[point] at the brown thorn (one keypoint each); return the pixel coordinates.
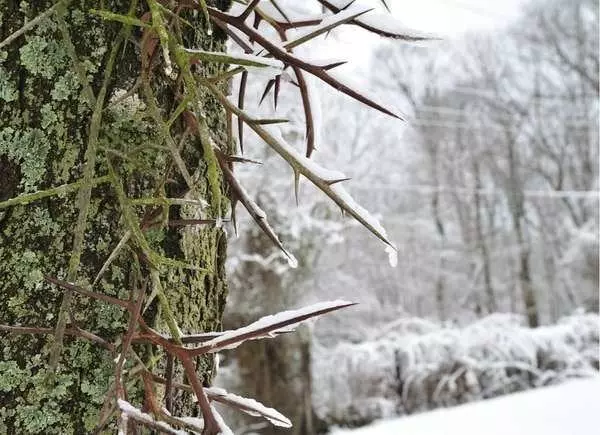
(134, 313)
(276, 92)
(187, 222)
(240, 159)
(297, 24)
(270, 84)
(248, 10)
(73, 331)
(241, 96)
(169, 383)
(288, 58)
(234, 37)
(281, 11)
(91, 294)
(372, 29)
(308, 117)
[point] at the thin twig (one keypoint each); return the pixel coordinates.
(31, 24)
(134, 313)
(72, 331)
(55, 191)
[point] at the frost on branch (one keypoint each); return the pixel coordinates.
(269, 326)
(249, 406)
(381, 24)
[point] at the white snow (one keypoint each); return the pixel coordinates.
(364, 214)
(414, 365)
(224, 429)
(131, 411)
(267, 321)
(392, 255)
(295, 11)
(328, 22)
(249, 406)
(292, 261)
(193, 421)
(386, 23)
(319, 171)
(567, 409)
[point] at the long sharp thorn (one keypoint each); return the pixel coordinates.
(234, 202)
(348, 5)
(115, 252)
(276, 93)
(240, 122)
(255, 24)
(378, 31)
(253, 209)
(234, 37)
(334, 65)
(265, 326)
(296, 185)
(230, 146)
(248, 10)
(308, 118)
(289, 58)
(270, 84)
(240, 159)
(281, 11)
(88, 293)
(330, 182)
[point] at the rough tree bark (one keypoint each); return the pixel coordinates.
(45, 129)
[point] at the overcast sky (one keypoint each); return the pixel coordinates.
(448, 18)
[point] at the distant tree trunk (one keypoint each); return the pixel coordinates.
(45, 127)
(433, 149)
(439, 282)
(276, 372)
(517, 209)
(482, 245)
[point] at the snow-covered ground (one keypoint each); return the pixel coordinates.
(572, 408)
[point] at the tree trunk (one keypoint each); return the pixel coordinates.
(517, 207)
(482, 244)
(275, 372)
(46, 126)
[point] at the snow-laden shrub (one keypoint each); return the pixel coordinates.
(414, 368)
(354, 383)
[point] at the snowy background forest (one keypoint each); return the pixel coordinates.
(489, 190)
